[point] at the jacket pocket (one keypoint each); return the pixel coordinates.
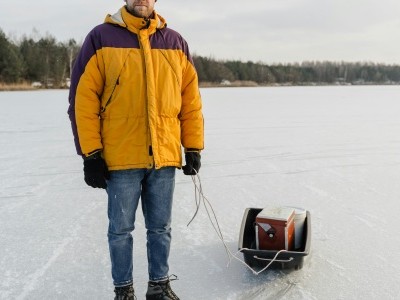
(115, 68)
(107, 96)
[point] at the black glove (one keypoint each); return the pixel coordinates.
(193, 163)
(96, 171)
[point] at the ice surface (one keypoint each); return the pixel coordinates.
(332, 150)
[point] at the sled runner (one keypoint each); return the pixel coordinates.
(257, 258)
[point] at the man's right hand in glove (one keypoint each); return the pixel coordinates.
(95, 170)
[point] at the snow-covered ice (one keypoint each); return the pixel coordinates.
(332, 150)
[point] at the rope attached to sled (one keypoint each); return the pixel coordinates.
(200, 198)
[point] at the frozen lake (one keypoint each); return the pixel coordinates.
(334, 151)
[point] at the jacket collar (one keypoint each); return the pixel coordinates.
(124, 19)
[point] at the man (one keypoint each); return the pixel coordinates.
(134, 102)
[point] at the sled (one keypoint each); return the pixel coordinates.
(291, 259)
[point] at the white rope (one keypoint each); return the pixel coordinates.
(200, 198)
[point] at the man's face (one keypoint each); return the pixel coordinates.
(140, 8)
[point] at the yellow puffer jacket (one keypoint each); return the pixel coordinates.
(134, 94)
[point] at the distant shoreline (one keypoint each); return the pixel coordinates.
(15, 87)
(28, 87)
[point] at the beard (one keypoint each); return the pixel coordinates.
(139, 11)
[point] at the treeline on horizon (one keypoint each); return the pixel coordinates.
(48, 61)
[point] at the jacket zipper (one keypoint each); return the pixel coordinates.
(151, 153)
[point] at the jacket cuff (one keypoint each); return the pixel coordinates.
(192, 150)
(92, 155)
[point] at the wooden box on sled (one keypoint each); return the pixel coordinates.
(258, 258)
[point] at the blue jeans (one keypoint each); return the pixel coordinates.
(155, 188)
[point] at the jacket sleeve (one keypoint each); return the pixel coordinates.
(191, 116)
(87, 82)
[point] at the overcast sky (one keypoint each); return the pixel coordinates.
(269, 31)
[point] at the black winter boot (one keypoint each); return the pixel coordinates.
(125, 293)
(160, 290)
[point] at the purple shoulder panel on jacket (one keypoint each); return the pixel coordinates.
(167, 38)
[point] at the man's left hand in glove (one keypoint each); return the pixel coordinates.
(193, 163)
